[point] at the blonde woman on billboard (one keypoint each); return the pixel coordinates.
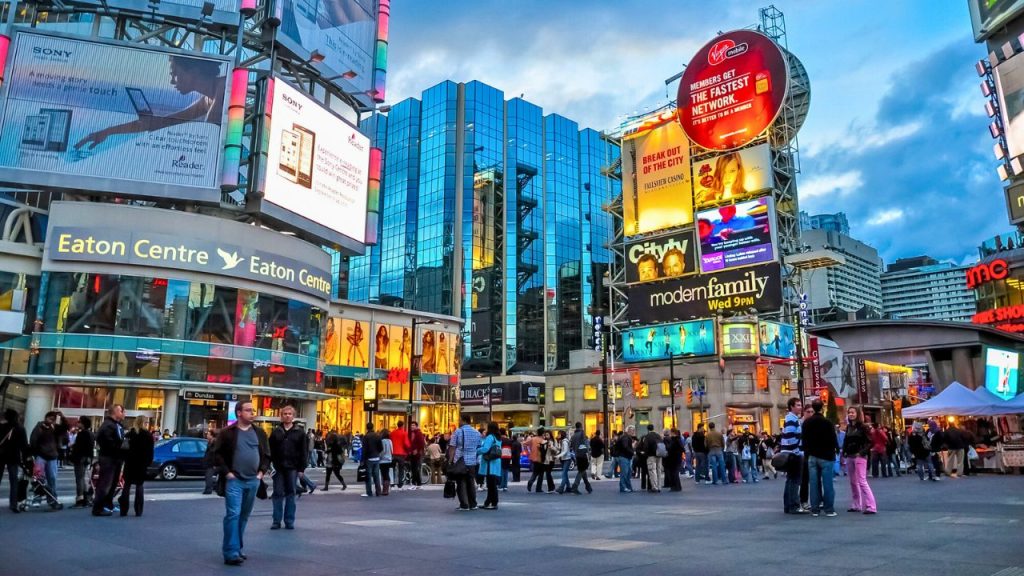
(729, 180)
(188, 75)
(405, 349)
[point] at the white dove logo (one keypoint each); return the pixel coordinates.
(230, 259)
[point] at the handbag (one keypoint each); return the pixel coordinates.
(261, 490)
(781, 460)
(361, 473)
(450, 489)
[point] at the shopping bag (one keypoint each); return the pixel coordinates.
(450, 489)
(361, 473)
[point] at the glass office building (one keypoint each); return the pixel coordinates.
(491, 210)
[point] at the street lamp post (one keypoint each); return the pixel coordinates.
(672, 386)
(490, 400)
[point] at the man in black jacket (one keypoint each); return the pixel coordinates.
(624, 451)
(700, 453)
(13, 449)
(46, 450)
(288, 453)
(242, 457)
(110, 439)
(81, 458)
(372, 447)
(820, 445)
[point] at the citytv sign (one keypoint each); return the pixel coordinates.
(983, 273)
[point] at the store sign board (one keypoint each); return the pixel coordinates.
(151, 237)
(214, 396)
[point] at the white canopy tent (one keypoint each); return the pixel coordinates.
(956, 400)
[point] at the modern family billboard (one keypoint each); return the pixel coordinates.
(656, 188)
(736, 235)
(343, 32)
(317, 164)
(757, 287)
(733, 176)
(113, 117)
(671, 256)
(732, 90)
(694, 338)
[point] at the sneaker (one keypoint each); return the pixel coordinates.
(815, 514)
(831, 514)
(870, 512)
(707, 481)
(365, 495)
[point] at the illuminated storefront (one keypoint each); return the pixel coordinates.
(998, 283)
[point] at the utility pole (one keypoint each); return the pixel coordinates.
(672, 386)
(604, 387)
(490, 400)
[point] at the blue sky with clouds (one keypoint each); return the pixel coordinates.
(896, 135)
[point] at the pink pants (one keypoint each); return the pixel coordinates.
(863, 498)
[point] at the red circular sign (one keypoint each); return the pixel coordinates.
(732, 90)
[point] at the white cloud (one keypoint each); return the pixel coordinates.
(842, 183)
(885, 217)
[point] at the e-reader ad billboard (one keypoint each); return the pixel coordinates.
(113, 117)
(317, 164)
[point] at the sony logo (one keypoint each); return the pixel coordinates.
(51, 52)
(292, 102)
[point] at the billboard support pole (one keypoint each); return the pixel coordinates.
(672, 384)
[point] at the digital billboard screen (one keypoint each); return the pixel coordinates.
(736, 235)
(225, 12)
(988, 16)
(1010, 87)
(317, 164)
(656, 188)
(732, 90)
(695, 338)
(1002, 368)
(671, 256)
(739, 340)
(776, 340)
(344, 32)
(732, 176)
(113, 117)
(699, 296)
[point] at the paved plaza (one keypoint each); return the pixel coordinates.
(971, 526)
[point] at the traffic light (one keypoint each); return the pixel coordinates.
(824, 396)
(689, 396)
(785, 386)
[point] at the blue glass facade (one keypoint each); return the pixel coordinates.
(435, 224)
(491, 211)
(399, 203)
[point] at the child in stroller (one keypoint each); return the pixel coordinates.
(32, 488)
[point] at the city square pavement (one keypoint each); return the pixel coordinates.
(971, 526)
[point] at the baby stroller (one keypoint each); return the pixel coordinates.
(115, 492)
(32, 488)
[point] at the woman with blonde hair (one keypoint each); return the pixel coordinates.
(136, 462)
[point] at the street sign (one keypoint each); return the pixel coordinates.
(369, 405)
(216, 396)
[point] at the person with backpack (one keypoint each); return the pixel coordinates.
(580, 447)
(506, 460)
(490, 464)
(655, 450)
(921, 450)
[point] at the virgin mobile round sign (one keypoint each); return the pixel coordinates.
(732, 90)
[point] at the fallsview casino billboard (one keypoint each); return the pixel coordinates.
(732, 90)
(656, 189)
(113, 117)
(317, 164)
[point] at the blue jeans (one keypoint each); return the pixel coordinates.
(716, 461)
(922, 464)
(821, 472)
(372, 475)
(702, 466)
(749, 470)
(50, 469)
(791, 495)
(284, 496)
(239, 496)
(503, 483)
(625, 474)
(311, 461)
(688, 464)
(564, 485)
